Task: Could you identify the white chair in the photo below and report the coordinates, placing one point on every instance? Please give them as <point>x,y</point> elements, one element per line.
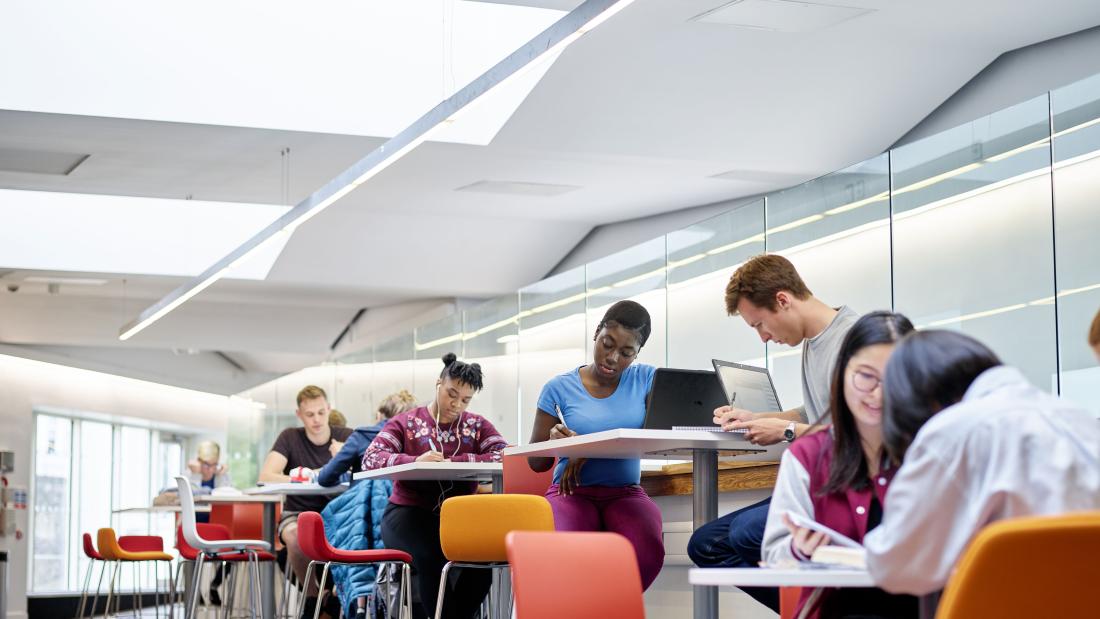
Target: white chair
<point>217,550</point>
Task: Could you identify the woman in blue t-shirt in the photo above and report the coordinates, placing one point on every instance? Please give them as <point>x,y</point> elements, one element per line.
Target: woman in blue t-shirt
<point>609,393</point>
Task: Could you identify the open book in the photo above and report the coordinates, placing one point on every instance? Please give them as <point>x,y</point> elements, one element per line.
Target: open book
<point>842,550</point>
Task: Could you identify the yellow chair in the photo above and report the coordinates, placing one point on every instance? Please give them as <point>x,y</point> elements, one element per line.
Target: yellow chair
<point>472,530</point>
<point>1027,567</point>
<point>111,551</point>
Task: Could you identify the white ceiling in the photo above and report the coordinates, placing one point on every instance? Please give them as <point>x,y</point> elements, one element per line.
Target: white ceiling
<point>640,114</point>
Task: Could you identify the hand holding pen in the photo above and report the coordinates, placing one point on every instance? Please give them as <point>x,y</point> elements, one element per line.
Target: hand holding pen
<point>435,455</point>
<point>560,430</point>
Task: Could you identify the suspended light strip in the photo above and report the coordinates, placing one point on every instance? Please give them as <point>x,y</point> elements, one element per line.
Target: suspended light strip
<point>551,41</point>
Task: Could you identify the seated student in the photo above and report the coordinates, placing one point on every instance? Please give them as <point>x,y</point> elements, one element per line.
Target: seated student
<point>442,430</point>
<point>839,476</point>
<point>337,419</point>
<point>608,393</point>
<point>348,457</point>
<point>206,472</point>
<point>306,449</point>
<point>978,443</point>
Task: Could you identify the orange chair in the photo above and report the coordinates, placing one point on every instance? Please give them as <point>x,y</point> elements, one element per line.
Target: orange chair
<point>244,520</point>
<point>544,565</point>
<point>472,529</point>
<point>1027,567</point>
<point>520,479</point>
<point>112,550</point>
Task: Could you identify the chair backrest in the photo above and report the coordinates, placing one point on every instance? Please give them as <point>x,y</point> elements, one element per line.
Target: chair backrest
<point>575,575</point>
<point>187,514</point>
<point>472,527</point>
<point>208,531</point>
<point>108,544</point>
<point>89,549</point>
<point>141,543</point>
<point>520,479</point>
<point>1027,567</point>
<point>311,537</point>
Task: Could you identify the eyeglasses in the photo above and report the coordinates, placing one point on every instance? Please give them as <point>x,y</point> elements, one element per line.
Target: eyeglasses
<point>865,381</point>
<point>208,465</point>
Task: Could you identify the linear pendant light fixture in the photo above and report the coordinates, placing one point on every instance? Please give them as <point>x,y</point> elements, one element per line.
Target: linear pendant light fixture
<point>565,31</point>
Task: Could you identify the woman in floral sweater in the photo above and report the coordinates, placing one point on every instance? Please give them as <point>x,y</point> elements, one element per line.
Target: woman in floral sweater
<point>441,431</point>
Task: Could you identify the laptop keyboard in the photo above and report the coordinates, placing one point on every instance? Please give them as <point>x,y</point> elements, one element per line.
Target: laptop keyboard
<point>710,429</point>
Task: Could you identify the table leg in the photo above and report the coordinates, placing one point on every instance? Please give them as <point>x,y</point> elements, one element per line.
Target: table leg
<point>267,568</point>
<point>704,508</point>
<point>501,593</point>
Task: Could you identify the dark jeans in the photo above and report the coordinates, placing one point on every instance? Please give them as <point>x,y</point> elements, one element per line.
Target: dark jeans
<point>416,531</point>
<point>734,540</point>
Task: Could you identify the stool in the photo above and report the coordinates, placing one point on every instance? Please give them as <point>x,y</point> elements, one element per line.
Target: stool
<point>472,529</point>
<point>91,553</point>
<point>314,544</point>
<point>111,549</point>
<point>212,533</point>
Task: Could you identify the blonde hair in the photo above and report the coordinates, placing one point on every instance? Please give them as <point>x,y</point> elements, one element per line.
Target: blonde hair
<point>336,419</point>
<point>1094,332</point>
<point>311,392</point>
<point>397,403</point>
<point>209,452</point>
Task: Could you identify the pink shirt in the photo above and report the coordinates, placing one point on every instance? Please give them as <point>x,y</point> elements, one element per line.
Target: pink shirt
<point>469,438</point>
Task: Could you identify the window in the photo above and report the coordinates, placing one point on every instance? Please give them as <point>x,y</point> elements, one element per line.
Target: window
<point>83,470</point>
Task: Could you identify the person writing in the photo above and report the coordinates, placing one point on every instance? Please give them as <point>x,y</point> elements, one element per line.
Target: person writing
<point>984,443</point>
<point>302,451</point>
<point>839,477</point>
<point>444,430</point>
<point>608,393</point>
<point>769,294</point>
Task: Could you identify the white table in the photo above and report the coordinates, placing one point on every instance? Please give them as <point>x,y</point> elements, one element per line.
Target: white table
<point>704,448</point>
<point>160,509</point>
<point>297,489</point>
<point>440,471</point>
<point>797,577</point>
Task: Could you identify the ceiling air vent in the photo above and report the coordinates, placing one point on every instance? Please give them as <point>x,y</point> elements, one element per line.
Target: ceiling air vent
<point>39,161</point>
<point>780,15</point>
<point>516,188</point>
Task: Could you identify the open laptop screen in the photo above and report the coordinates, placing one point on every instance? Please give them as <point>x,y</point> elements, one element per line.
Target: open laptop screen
<point>747,387</point>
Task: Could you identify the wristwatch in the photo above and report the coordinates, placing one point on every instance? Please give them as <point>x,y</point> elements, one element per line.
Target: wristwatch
<point>788,434</point>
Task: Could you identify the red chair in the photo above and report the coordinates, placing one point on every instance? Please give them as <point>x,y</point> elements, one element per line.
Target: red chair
<point>520,479</point>
<point>544,565</point>
<point>93,554</point>
<point>315,546</point>
<point>244,520</point>
<point>212,532</point>
<point>788,601</point>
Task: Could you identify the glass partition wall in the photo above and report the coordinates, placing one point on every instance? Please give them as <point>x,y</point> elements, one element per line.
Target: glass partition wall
<point>990,228</point>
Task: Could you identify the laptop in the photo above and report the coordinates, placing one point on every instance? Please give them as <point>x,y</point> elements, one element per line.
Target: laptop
<point>684,400</point>
<point>747,386</point>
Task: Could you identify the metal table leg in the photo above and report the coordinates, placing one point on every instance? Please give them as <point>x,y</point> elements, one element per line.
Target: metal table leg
<point>501,592</point>
<point>267,568</point>
<point>704,508</point>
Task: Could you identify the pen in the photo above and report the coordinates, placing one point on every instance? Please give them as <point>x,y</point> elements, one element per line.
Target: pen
<point>561,418</point>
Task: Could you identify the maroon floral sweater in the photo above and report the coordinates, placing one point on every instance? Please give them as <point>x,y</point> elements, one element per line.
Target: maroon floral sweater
<point>469,438</point>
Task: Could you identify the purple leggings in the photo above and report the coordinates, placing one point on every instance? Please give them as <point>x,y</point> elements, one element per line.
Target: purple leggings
<point>626,510</point>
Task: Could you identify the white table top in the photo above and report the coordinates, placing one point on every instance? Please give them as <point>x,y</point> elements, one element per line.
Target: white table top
<point>159,509</point>
<point>780,577</point>
<point>239,498</point>
<point>436,471</point>
<point>297,489</point>
<point>638,443</point>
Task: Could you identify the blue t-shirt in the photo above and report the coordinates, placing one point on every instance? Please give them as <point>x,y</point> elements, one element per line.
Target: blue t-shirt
<point>584,414</point>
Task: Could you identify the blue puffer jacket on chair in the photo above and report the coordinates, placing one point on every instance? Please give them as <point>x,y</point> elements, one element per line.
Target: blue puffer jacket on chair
<point>353,521</point>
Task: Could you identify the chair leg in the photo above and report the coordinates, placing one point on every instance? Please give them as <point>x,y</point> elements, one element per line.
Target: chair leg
<point>284,604</point>
<point>189,612</point>
<point>407,578</point>
<point>442,590</point>
<point>84,589</point>
<point>111,589</point>
<point>321,592</point>
<point>231,588</point>
<point>98,586</point>
<point>254,582</point>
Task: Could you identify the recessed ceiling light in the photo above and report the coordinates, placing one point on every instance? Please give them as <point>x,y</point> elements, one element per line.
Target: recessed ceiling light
<point>69,281</point>
<point>780,15</point>
<point>517,188</point>
<point>39,161</point>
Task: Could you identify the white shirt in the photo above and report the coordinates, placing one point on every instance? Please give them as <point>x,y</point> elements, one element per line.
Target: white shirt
<point>1006,450</point>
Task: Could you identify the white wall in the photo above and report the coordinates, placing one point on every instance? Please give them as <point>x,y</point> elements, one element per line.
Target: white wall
<point>26,384</point>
